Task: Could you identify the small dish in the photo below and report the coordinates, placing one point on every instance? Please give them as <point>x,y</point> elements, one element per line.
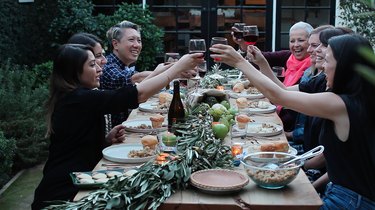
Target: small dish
<point>218,181</point>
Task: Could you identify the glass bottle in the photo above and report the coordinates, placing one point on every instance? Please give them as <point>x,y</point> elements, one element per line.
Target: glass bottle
<point>176,112</point>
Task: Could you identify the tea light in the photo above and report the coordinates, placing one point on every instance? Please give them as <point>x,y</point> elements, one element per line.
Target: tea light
<point>236,149</point>
<point>219,87</point>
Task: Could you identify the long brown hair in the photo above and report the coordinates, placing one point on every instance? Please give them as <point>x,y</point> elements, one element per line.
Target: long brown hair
<point>67,67</point>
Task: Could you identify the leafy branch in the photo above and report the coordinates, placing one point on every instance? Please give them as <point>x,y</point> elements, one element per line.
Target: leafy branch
<point>153,183</point>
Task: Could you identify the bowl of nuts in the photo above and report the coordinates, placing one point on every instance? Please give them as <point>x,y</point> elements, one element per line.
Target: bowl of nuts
<point>267,171</point>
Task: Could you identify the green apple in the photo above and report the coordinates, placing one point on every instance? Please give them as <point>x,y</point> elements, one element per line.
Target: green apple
<point>220,130</point>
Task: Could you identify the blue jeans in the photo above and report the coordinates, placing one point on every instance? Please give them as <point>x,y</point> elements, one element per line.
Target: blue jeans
<point>338,197</point>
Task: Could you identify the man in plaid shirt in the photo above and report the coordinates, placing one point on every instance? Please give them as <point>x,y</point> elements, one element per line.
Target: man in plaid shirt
<point>126,46</point>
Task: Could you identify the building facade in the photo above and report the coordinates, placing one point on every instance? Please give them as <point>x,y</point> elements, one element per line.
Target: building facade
<point>185,19</point>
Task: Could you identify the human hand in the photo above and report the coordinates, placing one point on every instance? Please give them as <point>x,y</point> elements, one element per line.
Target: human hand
<point>188,74</point>
<point>188,62</point>
<point>241,43</point>
<point>116,135</point>
<point>255,55</point>
<point>226,54</point>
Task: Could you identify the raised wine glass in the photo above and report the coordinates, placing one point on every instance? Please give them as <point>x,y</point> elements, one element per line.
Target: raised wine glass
<point>197,46</point>
<point>201,71</point>
<point>250,34</point>
<point>217,40</point>
<point>238,30</point>
<point>171,57</point>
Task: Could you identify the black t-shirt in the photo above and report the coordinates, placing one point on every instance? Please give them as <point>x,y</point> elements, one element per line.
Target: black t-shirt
<point>78,138</point>
<point>312,125</point>
<point>351,164</point>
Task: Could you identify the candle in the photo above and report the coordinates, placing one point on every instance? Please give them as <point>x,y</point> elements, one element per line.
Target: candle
<point>237,149</point>
<point>219,87</point>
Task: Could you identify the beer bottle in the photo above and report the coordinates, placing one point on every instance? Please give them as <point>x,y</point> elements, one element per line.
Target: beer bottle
<point>176,112</point>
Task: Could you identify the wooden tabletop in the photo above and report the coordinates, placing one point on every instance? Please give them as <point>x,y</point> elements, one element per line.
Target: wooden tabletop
<point>299,194</point>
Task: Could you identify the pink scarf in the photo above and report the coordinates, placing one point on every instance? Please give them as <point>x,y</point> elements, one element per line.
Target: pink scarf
<point>295,70</point>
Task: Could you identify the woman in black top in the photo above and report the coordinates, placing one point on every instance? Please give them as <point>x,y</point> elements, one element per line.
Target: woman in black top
<point>348,112</point>
<point>75,116</point>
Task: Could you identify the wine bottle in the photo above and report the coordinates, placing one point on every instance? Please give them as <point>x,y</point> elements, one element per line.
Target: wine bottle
<point>176,112</point>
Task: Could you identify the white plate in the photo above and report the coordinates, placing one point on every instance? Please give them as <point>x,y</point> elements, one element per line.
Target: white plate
<point>151,107</point>
<point>246,95</point>
<point>119,153</point>
<point>255,129</point>
<point>131,125</point>
<point>269,109</point>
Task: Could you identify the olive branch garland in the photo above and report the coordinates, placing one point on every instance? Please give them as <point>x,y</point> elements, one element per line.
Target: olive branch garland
<point>153,183</point>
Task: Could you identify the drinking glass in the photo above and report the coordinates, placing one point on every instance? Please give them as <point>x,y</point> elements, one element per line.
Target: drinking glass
<point>171,57</point>
<point>201,71</point>
<point>238,30</point>
<point>218,40</point>
<point>279,72</point>
<point>197,46</point>
<point>250,34</point>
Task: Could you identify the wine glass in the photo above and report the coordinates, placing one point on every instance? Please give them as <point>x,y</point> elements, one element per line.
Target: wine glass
<point>238,30</point>
<point>201,71</point>
<point>218,40</point>
<point>171,57</point>
<point>279,72</point>
<point>197,46</point>
<point>250,34</point>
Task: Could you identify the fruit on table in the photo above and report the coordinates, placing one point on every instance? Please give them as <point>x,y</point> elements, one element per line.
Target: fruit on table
<point>169,139</point>
<point>220,130</point>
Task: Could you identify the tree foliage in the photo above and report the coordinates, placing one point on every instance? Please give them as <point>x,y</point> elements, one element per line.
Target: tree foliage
<point>22,114</point>
<point>359,16</point>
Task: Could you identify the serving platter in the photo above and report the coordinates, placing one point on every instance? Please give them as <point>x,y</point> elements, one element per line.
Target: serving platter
<point>137,126</point>
<point>151,107</point>
<point>119,153</point>
<point>263,129</point>
<point>97,183</point>
<point>218,181</point>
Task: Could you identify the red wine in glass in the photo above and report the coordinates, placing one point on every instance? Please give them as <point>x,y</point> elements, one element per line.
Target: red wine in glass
<point>250,39</point>
<point>238,34</point>
<point>202,73</point>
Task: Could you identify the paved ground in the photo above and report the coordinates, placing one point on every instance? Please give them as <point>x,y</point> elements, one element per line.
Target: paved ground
<point>20,194</point>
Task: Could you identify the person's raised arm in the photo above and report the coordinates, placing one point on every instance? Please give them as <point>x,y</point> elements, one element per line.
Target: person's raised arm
<point>256,56</point>
<point>331,106</point>
<point>152,85</point>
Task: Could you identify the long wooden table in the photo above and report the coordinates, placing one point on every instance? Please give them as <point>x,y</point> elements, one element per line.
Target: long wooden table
<point>299,194</point>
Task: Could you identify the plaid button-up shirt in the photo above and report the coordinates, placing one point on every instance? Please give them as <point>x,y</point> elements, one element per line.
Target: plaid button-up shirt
<point>116,75</point>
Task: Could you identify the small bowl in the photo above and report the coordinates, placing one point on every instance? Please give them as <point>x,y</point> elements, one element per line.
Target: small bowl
<point>262,168</point>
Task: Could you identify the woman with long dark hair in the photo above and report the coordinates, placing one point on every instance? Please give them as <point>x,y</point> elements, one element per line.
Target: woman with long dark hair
<point>75,116</point>
<point>348,112</point>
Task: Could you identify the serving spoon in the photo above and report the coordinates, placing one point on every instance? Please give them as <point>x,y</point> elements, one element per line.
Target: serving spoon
<point>312,153</point>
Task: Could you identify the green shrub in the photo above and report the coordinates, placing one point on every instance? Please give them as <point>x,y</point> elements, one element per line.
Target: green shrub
<point>22,114</point>
<point>7,151</point>
<point>76,16</point>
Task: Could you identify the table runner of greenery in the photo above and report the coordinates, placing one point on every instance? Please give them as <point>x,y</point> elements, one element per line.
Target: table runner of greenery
<point>153,183</point>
